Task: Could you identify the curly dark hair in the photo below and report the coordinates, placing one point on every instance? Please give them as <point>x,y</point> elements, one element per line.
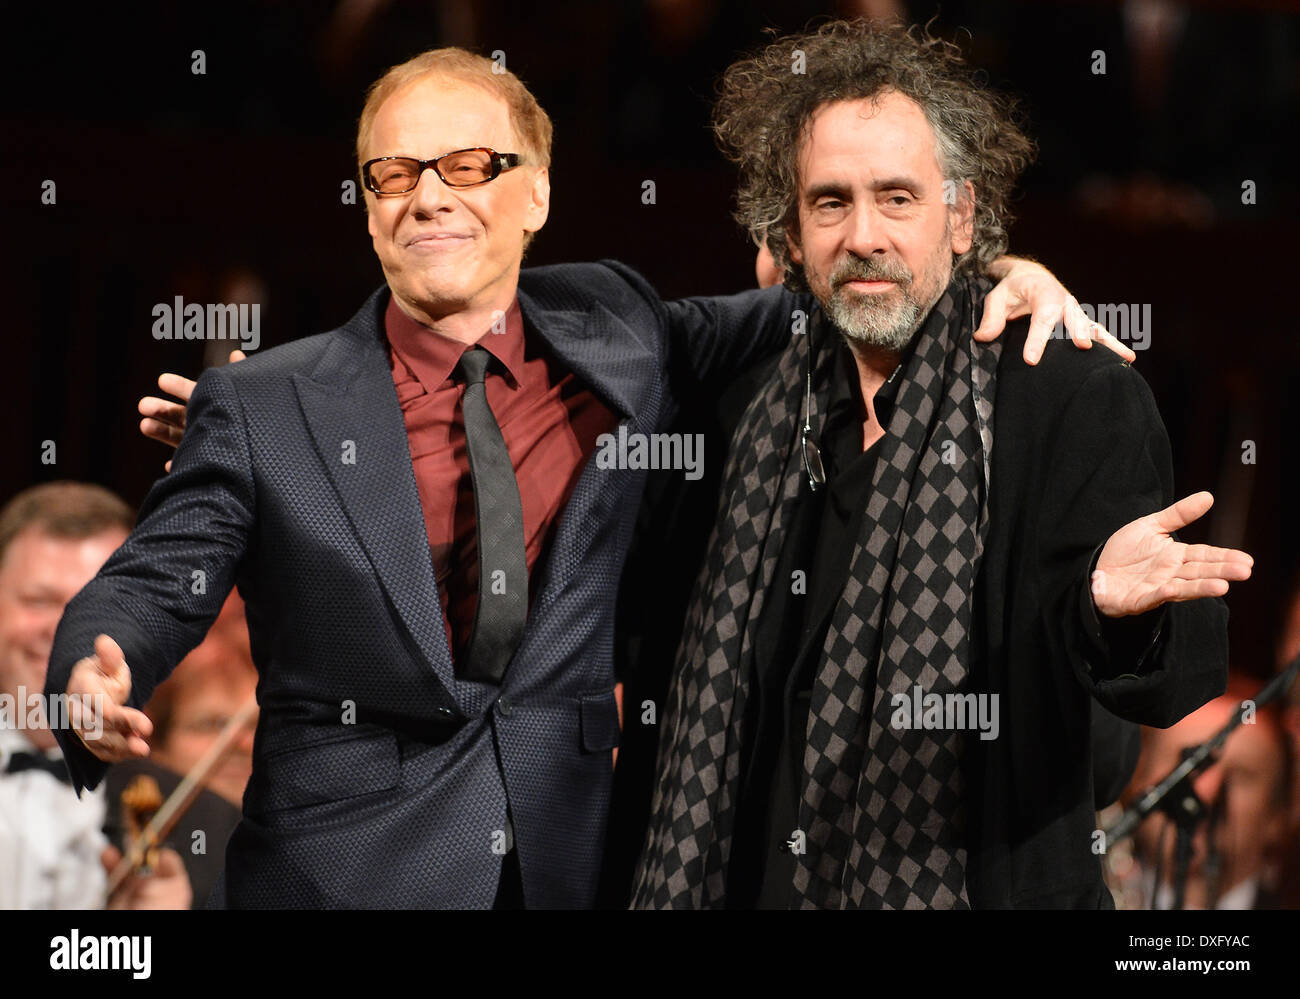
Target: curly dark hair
<point>765,108</point>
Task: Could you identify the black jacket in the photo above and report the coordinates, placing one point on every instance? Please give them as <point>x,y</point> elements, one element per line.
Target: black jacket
<point>1079,450</point>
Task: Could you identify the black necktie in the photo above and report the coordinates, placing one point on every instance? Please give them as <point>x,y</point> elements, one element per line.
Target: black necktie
<point>502,607</point>
<point>18,762</point>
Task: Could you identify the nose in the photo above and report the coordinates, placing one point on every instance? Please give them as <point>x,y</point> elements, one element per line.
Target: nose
<point>431,195</point>
<point>865,232</point>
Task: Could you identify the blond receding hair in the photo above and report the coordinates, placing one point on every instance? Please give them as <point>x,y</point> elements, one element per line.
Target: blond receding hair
<point>531,124</point>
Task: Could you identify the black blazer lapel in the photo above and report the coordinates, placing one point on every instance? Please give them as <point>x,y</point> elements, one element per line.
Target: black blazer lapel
<point>603,351</point>
<point>349,397</point>
<point>615,363</point>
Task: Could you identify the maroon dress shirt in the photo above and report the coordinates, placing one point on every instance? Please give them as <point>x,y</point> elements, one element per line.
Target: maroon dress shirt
<point>548,418</point>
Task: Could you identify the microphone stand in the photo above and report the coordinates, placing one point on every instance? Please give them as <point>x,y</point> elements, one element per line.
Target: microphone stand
<point>1174,794</point>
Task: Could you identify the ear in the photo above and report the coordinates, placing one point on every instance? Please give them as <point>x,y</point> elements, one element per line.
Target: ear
<point>539,201</point>
<point>962,215</point>
<point>792,244</point>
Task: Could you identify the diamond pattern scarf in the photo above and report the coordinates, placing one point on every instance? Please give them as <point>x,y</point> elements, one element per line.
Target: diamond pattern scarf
<point>881,805</point>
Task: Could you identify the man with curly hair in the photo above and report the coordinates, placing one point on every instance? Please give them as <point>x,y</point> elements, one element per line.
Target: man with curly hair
<point>930,562</point>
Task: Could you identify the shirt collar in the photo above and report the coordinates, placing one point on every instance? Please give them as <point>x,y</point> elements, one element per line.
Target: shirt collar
<point>432,357</point>
<point>14,741</point>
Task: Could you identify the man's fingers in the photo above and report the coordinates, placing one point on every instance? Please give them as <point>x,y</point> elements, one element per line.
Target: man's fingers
<point>162,432</point>
<point>1233,571</point>
<point>1182,513</point>
<point>1108,340</point>
<point>1079,327</point>
<point>237,355</point>
<point>994,319</point>
<point>176,385</point>
<point>163,410</point>
<point>119,722</point>
<point>113,747</point>
<point>1177,590</point>
<point>1230,559</point>
<point>140,725</point>
<point>1041,327</point>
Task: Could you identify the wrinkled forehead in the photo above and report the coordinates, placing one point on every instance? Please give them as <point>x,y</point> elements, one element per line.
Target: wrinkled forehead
<point>867,140</point>
<point>436,114</point>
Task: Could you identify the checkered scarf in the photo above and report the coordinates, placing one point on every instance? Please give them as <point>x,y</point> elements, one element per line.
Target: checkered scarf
<point>880,806</point>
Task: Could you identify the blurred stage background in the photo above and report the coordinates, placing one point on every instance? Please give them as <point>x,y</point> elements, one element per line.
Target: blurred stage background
<point>227,186</point>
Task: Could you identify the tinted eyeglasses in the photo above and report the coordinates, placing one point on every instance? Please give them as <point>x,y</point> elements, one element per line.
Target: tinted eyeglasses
<point>459,168</point>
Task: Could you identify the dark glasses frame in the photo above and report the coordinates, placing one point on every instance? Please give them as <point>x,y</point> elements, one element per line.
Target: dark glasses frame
<point>499,162</point>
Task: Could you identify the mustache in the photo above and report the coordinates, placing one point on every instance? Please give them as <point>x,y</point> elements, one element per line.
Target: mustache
<point>859,269</point>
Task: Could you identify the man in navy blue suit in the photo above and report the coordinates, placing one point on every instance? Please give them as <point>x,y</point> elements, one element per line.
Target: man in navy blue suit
<point>428,554</point>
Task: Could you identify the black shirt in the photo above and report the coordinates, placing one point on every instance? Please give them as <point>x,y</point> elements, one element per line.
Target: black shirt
<point>811,574</point>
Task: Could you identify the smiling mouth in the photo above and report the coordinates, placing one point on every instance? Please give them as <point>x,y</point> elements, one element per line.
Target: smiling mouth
<point>440,240</point>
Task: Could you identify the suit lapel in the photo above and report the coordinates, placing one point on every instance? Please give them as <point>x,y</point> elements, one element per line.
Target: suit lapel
<point>609,358</point>
<point>599,348</point>
<point>349,397</point>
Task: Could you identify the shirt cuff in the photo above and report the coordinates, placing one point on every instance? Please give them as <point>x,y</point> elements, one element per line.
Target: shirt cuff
<point>1119,646</point>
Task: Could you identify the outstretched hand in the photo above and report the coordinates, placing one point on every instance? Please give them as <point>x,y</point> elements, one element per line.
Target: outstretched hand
<point>1027,288</point>
<point>110,730</point>
<point>164,420</point>
<point>1142,566</point>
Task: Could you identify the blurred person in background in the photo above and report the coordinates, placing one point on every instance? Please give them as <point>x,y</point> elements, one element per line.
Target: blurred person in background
<point>194,705</point>
<point>53,853</point>
<point>1238,851</point>
<point>190,710</point>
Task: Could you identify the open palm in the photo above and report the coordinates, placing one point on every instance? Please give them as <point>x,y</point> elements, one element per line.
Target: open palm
<point>1142,566</point>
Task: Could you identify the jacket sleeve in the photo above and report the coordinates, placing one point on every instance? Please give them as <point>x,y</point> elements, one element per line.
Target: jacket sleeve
<point>1109,464</point>
<point>158,594</point>
<point>712,339</point>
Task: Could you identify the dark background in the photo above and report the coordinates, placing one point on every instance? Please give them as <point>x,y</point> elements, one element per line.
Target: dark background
<point>172,184</point>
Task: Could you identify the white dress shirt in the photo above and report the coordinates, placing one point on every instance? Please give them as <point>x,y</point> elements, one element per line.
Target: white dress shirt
<point>50,839</point>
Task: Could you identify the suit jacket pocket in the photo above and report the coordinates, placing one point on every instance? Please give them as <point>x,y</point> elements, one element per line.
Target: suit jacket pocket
<point>599,721</point>
<point>326,771</point>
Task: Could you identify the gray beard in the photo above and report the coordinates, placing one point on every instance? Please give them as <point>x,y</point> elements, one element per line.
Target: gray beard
<point>867,321</point>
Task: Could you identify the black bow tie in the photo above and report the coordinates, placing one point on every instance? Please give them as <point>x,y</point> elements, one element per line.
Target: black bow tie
<point>18,762</point>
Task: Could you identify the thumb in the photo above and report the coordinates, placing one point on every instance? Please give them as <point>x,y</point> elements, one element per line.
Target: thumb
<point>1182,513</point>
<point>237,355</point>
<point>112,664</point>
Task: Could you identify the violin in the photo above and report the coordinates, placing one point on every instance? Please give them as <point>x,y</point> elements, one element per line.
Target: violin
<point>149,819</point>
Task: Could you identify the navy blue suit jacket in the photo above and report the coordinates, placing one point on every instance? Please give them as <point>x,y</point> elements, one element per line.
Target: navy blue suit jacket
<point>381,779</point>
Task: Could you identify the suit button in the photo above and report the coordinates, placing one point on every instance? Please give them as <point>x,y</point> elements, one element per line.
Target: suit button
<point>445,712</point>
<point>505,707</point>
